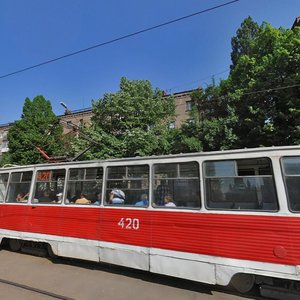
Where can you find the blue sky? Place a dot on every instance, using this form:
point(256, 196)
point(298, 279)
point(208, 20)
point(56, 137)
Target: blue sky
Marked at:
point(174, 58)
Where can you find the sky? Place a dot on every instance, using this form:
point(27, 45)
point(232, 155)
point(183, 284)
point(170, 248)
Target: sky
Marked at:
point(178, 57)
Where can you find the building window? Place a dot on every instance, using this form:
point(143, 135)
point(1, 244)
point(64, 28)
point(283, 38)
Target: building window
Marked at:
point(172, 125)
point(188, 105)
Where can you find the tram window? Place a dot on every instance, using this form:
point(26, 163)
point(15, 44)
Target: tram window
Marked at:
point(84, 186)
point(3, 185)
point(133, 181)
point(18, 187)
point(176, 185)
point(291, 169)
point(49, 186)
point(248, 184)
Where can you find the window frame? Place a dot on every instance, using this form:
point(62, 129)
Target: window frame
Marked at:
point(14, 182)
point(189, 105)
point(45, 169)
point(284, 175)
point(154, 206)
point(106, 189)
point(272, 176)
point(67, 180)
point(6, 187)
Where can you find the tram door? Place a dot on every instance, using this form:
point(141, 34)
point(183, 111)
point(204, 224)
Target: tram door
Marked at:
point(15, 211)
point(125, 219)
point(45, 213)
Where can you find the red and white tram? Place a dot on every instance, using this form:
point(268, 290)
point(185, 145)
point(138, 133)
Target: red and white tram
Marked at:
point(235, 214)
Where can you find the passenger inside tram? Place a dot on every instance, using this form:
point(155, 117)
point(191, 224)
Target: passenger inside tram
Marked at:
point(161, 191)
point(143, 201)
point(116, 196)
point(169, 201)
point(83, 199)
point(59, 198)
point(97, 199)
point(45, 197)
point(22, 197)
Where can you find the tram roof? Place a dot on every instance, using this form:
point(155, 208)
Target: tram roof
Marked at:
point(155, 157)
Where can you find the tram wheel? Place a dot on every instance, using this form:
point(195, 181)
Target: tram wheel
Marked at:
point(15, 244)
point(243, 283)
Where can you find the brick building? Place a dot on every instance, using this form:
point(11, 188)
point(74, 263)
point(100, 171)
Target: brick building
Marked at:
point(183, 106)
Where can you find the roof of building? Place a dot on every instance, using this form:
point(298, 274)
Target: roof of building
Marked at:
point(297, 22)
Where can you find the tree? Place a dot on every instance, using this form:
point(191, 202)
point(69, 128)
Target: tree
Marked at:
point(38, 127)
point(131, 122)
point(263, 86)
point(242, 43)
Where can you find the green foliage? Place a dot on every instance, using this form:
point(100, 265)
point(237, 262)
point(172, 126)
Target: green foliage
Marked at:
point(131, 122)
point(38, 127)
point(210, 128)
point(5, 159)
point(252, 107)
point(242, 43)
point(271, 62)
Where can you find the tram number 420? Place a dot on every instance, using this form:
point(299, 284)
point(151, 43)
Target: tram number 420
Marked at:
point(129, 223)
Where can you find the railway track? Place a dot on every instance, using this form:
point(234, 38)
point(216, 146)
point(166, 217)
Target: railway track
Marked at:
point(34, 290)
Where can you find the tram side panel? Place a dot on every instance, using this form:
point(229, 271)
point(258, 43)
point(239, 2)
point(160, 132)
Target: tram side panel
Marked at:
point(80, 228)
point(263, 245)
point(44, 219)
point(14, 220)
point(125, 237)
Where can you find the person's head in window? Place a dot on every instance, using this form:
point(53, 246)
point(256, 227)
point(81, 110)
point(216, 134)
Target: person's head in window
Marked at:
point(169, 200)
point(116, 196)
point(59, 197)
point(143, 200)
point(21, 197)
point(83, 199)
point(45, 197)
point(97, 199)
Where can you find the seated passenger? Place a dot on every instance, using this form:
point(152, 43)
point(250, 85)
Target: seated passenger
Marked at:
point(46, 197)
point(22, 197)
point(169, 201)
point(144, 201)
point(59, 198)
point(82, 200)
point(116, 196)
point(97, 200)
point(161, 191)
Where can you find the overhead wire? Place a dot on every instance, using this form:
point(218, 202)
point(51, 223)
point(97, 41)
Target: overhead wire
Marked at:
point(251, 93)
point(196, 81)
point(118, 39)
